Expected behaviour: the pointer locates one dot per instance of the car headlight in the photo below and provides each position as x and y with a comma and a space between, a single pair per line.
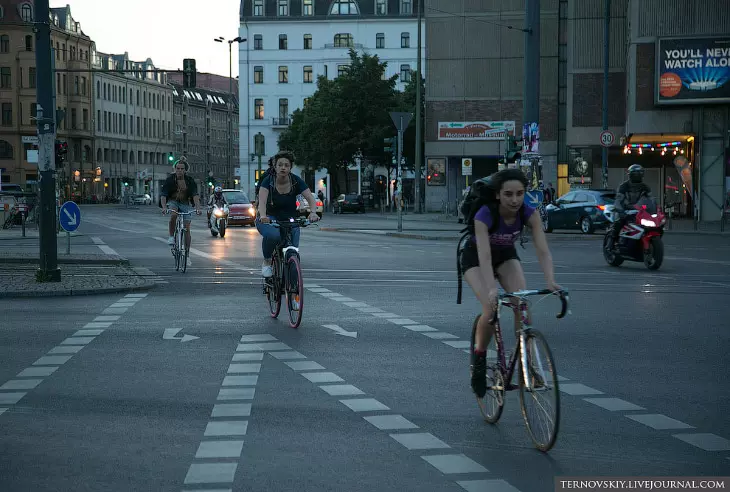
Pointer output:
648, 223
252, 212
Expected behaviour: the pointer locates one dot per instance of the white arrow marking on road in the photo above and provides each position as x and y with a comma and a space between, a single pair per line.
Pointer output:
71, 218
340, 331
171, 332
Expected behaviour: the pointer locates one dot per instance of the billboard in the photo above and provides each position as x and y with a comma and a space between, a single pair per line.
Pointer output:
475, 130
693, 70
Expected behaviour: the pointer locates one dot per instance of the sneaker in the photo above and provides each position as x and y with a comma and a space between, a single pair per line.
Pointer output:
479, 375
295, 302
171, 240
267, 271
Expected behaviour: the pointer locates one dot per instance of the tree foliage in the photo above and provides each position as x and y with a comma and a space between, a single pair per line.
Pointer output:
344, 115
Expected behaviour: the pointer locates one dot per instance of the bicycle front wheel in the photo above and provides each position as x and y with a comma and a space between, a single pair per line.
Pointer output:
542, 421
183, 252
294, 290
273, 288
492, 404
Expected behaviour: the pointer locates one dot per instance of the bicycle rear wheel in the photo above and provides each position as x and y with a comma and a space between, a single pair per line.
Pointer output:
183, 252
273, 288
544, 422
294, 290
492, 404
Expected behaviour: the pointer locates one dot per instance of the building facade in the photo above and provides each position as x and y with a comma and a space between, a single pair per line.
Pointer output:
132, 126
206, 80
474, 90
292, 42
200, 131
72, 50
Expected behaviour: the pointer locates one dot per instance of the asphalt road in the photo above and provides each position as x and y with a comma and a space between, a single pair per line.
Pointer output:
247, 404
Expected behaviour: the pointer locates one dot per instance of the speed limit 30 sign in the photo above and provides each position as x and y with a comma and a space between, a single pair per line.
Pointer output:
607, 138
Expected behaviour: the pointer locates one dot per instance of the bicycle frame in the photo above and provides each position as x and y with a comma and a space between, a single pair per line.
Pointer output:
505, 299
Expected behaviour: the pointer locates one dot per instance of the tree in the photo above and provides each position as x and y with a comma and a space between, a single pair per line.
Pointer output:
344, 115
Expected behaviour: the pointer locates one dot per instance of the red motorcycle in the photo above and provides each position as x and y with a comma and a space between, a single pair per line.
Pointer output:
639, 240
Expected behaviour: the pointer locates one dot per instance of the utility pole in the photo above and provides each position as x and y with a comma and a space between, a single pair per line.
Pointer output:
531, 104
606, 51
48, 269
230, 111
419, 124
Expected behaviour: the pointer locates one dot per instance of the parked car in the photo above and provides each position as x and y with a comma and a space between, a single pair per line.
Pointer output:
582, 210
351, 202
241, 210
303, 207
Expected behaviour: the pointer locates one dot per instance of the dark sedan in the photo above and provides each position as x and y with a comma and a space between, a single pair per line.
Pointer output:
581, 210
351, 202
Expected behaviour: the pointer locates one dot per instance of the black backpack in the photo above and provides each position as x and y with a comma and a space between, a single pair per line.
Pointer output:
481, 193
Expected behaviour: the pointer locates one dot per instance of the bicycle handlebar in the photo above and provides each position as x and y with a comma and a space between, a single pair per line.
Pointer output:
299, 222
562, 294
170, 210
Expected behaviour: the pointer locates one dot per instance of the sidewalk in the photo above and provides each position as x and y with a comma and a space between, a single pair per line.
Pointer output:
86, 271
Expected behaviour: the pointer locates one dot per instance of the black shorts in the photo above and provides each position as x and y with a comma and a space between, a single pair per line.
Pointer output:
470, 258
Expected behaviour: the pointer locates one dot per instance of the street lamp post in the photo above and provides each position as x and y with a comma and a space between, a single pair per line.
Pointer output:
230, 42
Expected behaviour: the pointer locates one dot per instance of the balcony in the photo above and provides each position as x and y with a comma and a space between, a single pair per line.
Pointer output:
280, 122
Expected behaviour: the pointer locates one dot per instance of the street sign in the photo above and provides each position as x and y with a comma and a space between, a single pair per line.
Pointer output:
466, 166
401, 119
69, 216
607, 138
534, 198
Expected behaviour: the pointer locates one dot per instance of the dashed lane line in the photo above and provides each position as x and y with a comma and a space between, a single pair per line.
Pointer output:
705, 441
379, 415
12, 391
102, 246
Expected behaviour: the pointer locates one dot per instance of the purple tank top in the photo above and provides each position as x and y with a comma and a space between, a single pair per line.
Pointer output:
505, 235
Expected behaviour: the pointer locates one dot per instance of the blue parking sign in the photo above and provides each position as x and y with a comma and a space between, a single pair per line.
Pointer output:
69, 215
534, 198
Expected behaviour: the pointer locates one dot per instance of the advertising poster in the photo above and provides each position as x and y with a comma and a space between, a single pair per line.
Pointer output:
475, 130
693, 70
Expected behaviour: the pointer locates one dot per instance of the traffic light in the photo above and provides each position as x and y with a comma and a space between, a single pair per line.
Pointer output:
189, 73
126, 182
389, 144
170, 158
61, 151
513, 151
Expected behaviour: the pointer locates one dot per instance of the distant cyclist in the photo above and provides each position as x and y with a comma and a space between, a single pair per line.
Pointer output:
182, 191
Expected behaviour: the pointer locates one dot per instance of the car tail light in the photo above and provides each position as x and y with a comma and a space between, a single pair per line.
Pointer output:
601, 207
297, 203
319, 204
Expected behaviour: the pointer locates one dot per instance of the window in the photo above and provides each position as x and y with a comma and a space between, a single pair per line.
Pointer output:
307, 41
308, 78
283, 8
258, 75
4, 43
83, 86
344, 41
344, 7
77, 90
6, 150
85, 119
283, 75
26, 12
31, 77
341, 70
258, 109
380, 41
29, 43
282, 42
406, 7
98, 119
306, 101
98, 89
381, 8
258, 8
258, 42
7, 116
73, 118
307, 7
405, 73
283, 108
5, 78
405, 40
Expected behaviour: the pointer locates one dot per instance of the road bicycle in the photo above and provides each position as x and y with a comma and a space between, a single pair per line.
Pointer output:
286, 274
178, 249
536, 371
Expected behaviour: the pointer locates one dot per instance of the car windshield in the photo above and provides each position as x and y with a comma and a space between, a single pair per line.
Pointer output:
609, 198
236, 197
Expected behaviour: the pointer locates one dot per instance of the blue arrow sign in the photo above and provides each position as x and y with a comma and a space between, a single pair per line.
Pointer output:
534, 198
69, 215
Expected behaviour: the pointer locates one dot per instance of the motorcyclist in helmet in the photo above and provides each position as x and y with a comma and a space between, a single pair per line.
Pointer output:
216, 199
627, 195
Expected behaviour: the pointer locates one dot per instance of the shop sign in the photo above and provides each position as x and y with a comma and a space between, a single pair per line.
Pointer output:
475, 130
693, 70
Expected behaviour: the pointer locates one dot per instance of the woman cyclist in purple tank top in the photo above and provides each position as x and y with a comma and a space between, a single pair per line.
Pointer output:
491, 257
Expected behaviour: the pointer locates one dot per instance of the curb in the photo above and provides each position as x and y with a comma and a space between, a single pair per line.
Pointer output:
148, 285
67, 261
403, 235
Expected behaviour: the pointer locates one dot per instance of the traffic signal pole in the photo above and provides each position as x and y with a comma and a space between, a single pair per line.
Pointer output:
48, 270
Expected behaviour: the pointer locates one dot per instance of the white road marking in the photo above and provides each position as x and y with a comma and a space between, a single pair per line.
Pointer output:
211, 473
459, 344
243, 368
437, 335
11, 398
420, 441
66, 349
108, 250
364, 405
236, 393
37, 371
248, 356
658, 421
52, 361
577, 389
402, 321
706, 441
220, 449
454, 463
287, 355
106, 318
257, 338
485, 485
231, 410
341, 390
240, 381
21, 384
98, 324
77, 341
322, 377
308, 365
613, 404
391, 422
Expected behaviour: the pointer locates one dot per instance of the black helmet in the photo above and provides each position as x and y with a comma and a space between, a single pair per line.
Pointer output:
636, 173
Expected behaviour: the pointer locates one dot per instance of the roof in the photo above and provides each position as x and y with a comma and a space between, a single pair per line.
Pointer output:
198, 96
323, 10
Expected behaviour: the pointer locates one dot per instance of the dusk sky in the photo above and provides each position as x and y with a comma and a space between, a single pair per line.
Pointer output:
164, 30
